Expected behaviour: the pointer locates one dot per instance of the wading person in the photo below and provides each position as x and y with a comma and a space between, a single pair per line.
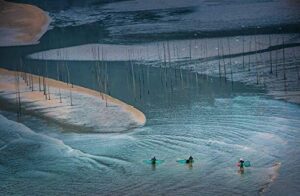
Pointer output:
190, 160
153, 160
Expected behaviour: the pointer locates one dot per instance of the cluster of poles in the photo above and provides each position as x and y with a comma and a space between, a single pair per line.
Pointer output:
276, 64
40, 77
255, 57
170, 64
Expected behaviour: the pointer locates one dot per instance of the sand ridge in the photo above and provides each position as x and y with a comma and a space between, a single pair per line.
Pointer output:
137, 115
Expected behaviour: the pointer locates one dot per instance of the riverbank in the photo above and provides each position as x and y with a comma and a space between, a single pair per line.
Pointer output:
21, 24
68, 104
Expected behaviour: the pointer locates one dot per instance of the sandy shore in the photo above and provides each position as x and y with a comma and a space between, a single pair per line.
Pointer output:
137, 116
21, 24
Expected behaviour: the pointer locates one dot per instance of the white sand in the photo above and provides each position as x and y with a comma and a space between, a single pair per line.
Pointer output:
21, 24
88, 110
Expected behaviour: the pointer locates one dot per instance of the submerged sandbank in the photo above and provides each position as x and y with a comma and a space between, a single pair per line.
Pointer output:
86, 108
21, 24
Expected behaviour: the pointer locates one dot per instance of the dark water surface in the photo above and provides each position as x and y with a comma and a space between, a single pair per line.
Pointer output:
214, 120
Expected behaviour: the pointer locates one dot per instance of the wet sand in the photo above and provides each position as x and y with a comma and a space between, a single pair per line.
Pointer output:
21, 24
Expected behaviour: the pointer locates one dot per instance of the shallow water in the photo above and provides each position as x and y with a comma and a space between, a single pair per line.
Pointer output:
213, 121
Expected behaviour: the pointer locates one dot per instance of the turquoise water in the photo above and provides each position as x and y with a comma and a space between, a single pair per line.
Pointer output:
216, 125
215, 121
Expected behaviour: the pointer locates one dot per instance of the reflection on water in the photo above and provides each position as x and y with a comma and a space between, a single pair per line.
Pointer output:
241, 171
190, 165
214, 121
153, 166
141, 85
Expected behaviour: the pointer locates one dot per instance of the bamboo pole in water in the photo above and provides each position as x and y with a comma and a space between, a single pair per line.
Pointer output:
283, 59
170, 66
32, 86
69, 79
176, 55
270, 53
224, 63
39, 73
143, 73
58, 75
148, 79
26, 75
69, 82
44, 81
165, 66
44, 87
243, 52
30, 77
28, 70
249, 60
219, 60
230, 60
18, 95
296, 64
160, 67
206, 54
190, 50
140, 81
98, 72
95, 67
196, 80
132, 76
47, 77
106, 84
256, 58
276, 64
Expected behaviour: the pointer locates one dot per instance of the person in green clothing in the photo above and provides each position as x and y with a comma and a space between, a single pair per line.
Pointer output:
190, 160
241, 163
153, 160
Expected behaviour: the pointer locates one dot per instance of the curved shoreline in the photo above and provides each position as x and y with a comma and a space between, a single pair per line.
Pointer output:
138, 117
21, 24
